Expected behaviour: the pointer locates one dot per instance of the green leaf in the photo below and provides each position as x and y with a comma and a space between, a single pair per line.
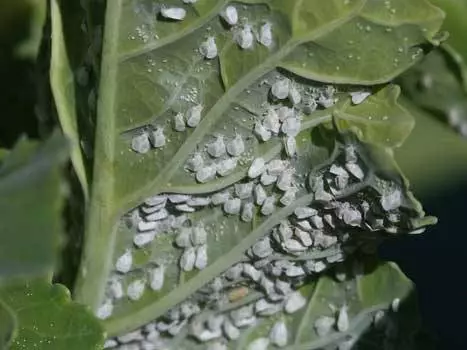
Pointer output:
47, 318
30, 186
153, 69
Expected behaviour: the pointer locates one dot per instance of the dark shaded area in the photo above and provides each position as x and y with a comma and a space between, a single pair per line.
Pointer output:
435, 261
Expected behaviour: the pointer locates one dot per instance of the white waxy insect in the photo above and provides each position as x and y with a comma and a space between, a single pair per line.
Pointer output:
293, 246
156, 278
187, 260
232, 206
265, 308
184, 208
234, 272
295, 271
146, 226
141, 239
268, 287
338, 170
194, 116
183, 238
226, 166
105, 310
395, 304
283, 287
135, 290
259, 344
236, 146
199, 235
131, 337
208, 48
116, 288
199, 201
285, 231
305, 212
245, 37
276, 167
271, 121
259, 194
257, 167
304, 225
343, 319
329, 220
351, 153
152, 209
285, 180
262, 248
201, 257
295, 302
326, 101
355, 170
278, 334
124, 262
207, 335
391, 200
157, 138
294, 95
243, 316
247, 212
291, 127
158, 215
285, 112
110, 343
349, 215
269, 205
267, 179
290, 145
304, 237
310, 106
323, 325
179, 122
140, 143
216, 149
206, 174
359, 96
196, 162
317, 221
156, 200
175, 13
220, 197
265, 35
230, 15
251, 272
288, 197
262, 133
244, 191
280, 89
230, 330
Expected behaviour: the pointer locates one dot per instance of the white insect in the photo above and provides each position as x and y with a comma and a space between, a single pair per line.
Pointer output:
355, 170
267, 179
251, 272
105, 310
196, 162
135, 290
201, 257
349, 215
304, 212
194, 116
290, 145
158, 215
244, 191
183, 238
232, 206
359, 96
276, 167
259, 344
130, 337
206, 174
184, 208
146, 226
176, 13
295, 302
226, 166
293, 246
323, 325
262, 133
278, 334
265, 308
156, 278
304, 237
288, 197
230, 15
294, 95
124, 262
269, 206
234, 272
285, 230
295, 271
260, 194
285, 112
116, 288
280, 89
343, 319
236, 146
304, 225
216, 149
199, 201
179, 122
140, 143
317, 221
257, 167
262, 248
284, 182
291, 127
245, 37
265, 35
220, 197
247, 212
283, 287
157, 138
141, 239
156, 200
199, 235
271, 121
208, 48
351, 153
110, 343
395, 304
187, 260
391, 200
230, 330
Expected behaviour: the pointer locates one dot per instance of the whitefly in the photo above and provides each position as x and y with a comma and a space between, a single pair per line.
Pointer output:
245, 37
285, 180
323, 325
220, 197
206, 173
142, 239
201, 260
262, 248
278, 334
288, 197
199, 235
295, 301
280, 89
230, 330
194, 116
294, 95
232, 206
247, 212
199, 201
140, 143
260, 194
227, 166
217, 148
265, 34
267, 179
271, 121
105, 310
184, 208
174, 13
245, 190
230, 15
156, 278
124, 262
269, 205
236, 146
208, 48
257, 167
146, 226
179, 122
290, 145
261, 132
157, 138
343, 319
187, 260
135, 289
